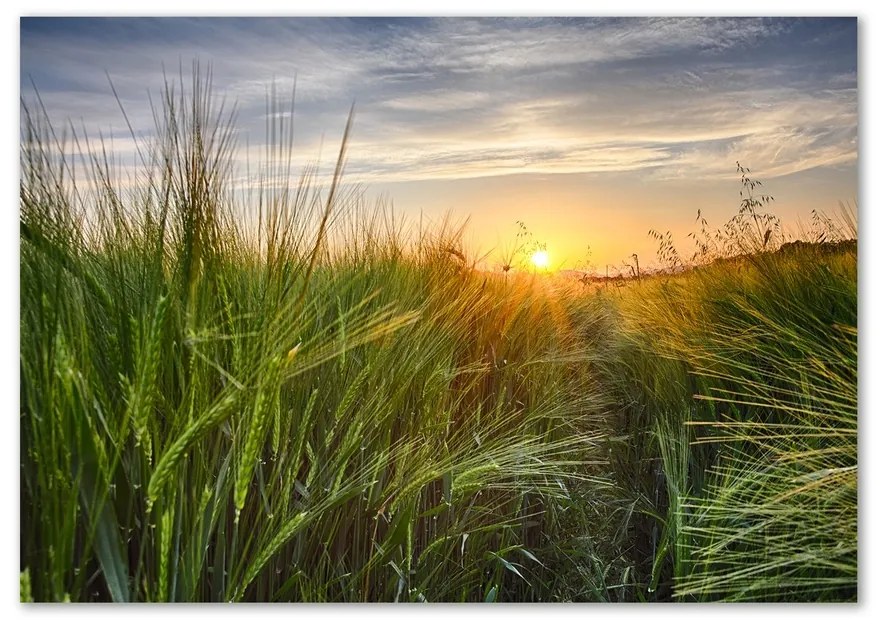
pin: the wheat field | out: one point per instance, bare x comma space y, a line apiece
283, 394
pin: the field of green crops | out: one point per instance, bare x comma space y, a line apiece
282, 395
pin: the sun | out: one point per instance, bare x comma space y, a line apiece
540, 259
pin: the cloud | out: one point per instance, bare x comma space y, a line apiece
453, 98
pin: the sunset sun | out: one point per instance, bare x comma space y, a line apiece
540, 259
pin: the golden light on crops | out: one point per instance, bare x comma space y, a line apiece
540, 259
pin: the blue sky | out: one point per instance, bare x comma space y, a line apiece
592, 131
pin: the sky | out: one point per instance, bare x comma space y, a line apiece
590, 131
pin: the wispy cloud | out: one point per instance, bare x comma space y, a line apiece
453, 98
